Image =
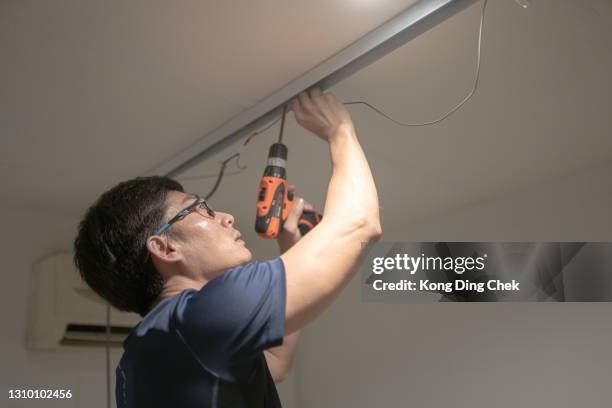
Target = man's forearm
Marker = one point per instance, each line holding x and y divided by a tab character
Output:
280	358
351	194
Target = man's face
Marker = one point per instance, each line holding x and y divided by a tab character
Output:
208	245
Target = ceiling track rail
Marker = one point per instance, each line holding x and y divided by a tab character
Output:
371	47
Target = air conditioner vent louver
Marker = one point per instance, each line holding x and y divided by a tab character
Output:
93	335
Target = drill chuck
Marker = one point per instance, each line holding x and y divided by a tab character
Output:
277	162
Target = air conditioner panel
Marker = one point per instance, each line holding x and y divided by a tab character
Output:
59	300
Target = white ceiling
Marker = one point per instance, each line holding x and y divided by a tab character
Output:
104	93
96	91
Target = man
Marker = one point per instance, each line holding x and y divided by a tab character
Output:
217	329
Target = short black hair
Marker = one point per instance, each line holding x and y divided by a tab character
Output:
110	248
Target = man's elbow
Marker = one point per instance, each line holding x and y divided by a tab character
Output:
375	231
371	230
281	376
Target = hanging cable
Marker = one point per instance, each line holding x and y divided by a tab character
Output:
257	132
220	176
456	107
225	162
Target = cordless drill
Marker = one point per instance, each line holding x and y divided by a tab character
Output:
274	201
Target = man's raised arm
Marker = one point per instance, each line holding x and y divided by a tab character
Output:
322	262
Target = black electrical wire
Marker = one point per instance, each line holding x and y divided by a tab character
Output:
456	107
225	162
220	176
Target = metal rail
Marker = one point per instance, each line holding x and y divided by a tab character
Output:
393	34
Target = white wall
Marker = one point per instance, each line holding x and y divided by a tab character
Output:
28	235
473	355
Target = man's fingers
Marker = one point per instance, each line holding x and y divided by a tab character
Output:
293	217
305	101
295	106
308	206
315	92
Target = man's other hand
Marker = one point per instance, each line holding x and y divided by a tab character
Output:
290	234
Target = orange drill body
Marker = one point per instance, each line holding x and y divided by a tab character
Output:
274	201
272	208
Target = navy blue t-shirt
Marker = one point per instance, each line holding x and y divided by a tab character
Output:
204	348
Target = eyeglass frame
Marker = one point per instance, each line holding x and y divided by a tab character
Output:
199	202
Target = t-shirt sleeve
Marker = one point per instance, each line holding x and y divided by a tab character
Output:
234	316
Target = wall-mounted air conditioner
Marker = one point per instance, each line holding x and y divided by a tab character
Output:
65	312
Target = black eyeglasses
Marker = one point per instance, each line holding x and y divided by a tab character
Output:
198	203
